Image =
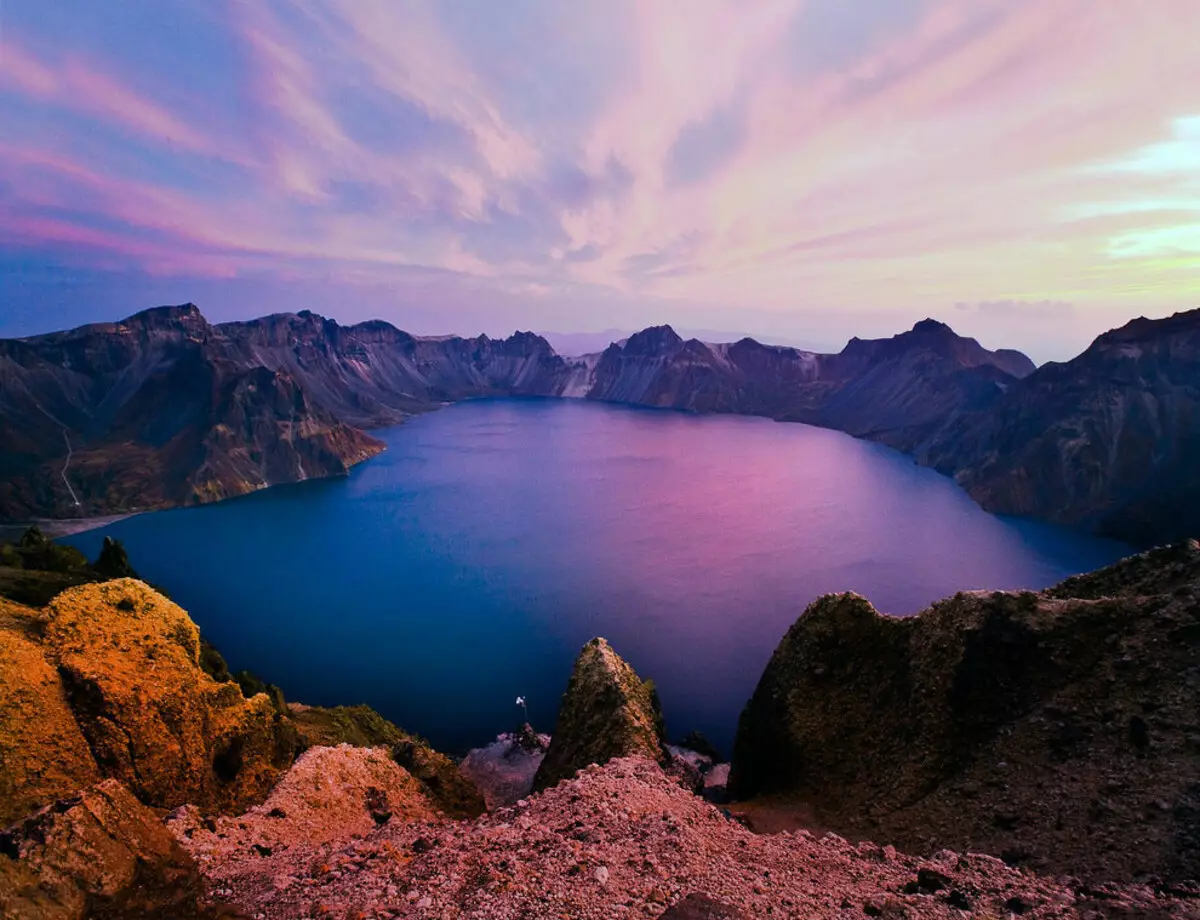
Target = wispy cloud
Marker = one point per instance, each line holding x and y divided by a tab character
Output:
780	155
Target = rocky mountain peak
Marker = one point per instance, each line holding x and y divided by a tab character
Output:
1142	330
607	712
932	327
186	316
653	340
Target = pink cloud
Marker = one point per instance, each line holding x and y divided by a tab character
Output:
80	86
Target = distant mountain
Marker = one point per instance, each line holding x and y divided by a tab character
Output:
165	409
578	344
1109	441
898	390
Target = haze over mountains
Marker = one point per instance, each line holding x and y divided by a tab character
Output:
165	408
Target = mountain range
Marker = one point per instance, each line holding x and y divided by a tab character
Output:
165	409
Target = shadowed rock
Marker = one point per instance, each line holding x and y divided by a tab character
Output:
607	712
701	907
1057	729
100	855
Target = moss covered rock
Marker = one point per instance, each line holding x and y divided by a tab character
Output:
360	726
129	661
98	854
43	754
1057	729
607	711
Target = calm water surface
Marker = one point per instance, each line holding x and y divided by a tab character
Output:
468	563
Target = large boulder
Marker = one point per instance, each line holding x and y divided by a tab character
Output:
607	711
1058	729
129	662
99	855
43	754
361	726
330	795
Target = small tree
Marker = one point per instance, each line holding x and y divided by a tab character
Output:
113	561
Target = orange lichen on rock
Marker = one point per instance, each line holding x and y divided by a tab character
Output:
128	659
43	754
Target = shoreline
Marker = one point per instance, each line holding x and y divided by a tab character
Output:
62	527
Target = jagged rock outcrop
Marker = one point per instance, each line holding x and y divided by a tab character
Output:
123	663
1109	441
1056	728
607	711
361	726
98	855
43	754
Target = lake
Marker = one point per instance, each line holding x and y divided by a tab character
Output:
467	564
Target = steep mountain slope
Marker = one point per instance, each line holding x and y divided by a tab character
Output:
165	409
1109	441
899	390
1058	729
372	374
150	412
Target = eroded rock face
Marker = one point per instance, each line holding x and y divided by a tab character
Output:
100	855
1056	728
607	711
128	661
1109	441
43	754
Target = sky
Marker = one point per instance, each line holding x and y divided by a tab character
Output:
1026	170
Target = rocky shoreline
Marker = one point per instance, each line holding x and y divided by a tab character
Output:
1055	731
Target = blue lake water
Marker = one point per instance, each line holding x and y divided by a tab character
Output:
468	563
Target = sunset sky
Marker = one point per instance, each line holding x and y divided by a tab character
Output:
1025	170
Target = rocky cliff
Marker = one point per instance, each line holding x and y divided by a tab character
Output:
106	682
899	390
1059	729
607	712
1109	441
151	412
164	409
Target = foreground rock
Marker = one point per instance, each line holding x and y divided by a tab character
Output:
43	754
330	795
623	840
99	854
129	663
106	682
607	711
454	794
1058	729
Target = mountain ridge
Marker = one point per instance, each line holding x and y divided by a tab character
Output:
166	406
